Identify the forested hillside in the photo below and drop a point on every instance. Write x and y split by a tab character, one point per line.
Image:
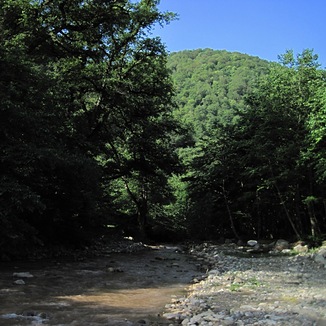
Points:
257	168
210	85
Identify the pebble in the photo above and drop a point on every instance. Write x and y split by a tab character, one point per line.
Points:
238	289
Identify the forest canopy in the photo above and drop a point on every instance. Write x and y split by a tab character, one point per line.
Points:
211	85
87	132
258	165
102	129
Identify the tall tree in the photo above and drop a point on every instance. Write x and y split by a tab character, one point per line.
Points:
83	83
281	111
260	168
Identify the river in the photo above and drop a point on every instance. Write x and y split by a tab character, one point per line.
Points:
116	289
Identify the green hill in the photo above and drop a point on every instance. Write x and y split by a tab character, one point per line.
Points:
210	85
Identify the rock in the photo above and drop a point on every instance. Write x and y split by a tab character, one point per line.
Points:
301	248
252	243
114	270
213	272
320	256
228	321
23	275
281	245
19	282
255	249
9	316
172	315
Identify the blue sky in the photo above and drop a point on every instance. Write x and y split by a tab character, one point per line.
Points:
263	28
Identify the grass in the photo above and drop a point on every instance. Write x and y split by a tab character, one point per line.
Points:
250	283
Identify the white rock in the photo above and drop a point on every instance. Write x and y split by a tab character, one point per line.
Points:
9	316
23	275
172	315
300	248
19	282
252	243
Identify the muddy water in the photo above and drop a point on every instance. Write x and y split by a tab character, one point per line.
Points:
118	289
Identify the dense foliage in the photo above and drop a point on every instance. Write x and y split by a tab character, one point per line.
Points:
92	116
263	175
210	85
85	113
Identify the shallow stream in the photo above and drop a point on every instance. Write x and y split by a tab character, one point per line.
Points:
117	289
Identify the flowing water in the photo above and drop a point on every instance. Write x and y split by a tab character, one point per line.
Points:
118	289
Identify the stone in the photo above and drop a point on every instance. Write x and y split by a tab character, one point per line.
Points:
252	243
228	321
301	248
19	282
185	321
172	315
213	272
320	256
196	319
114	270
23	275
281	245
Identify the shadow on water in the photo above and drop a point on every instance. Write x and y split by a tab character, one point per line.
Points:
118	289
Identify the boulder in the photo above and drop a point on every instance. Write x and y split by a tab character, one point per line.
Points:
281	245
300	248
320	256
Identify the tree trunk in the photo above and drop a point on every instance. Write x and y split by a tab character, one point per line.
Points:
298	209
229	213
259	216
142	217
142	209
315	231
297	234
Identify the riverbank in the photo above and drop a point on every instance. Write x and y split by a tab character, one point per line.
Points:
244	287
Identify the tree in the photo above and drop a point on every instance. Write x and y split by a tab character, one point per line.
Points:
260	168
277	122
83	85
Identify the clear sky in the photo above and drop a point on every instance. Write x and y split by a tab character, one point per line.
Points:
263	28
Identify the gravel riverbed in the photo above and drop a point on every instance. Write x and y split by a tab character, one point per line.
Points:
241	288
